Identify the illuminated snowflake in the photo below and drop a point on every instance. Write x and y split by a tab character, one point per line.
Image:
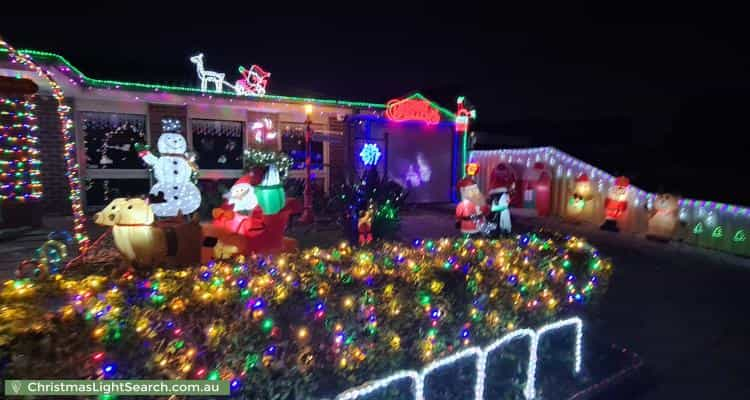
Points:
370	154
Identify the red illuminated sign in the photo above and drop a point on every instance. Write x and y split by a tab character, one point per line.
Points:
472	169
412	110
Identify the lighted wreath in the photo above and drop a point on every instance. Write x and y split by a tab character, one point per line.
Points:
299	325
258	158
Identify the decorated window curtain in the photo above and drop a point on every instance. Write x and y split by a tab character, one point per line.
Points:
218	144
99	192
293	144
110	140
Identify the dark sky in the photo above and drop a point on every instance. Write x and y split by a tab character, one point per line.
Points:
684	81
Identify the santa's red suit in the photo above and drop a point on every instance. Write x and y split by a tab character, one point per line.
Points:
468	216
471	210
614	208
617	203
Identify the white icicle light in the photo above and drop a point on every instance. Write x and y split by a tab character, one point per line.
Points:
711	219
418	378
683	214
556	157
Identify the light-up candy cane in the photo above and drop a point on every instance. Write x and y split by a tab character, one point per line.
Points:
418	378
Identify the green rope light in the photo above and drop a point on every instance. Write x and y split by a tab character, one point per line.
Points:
446	112
183	89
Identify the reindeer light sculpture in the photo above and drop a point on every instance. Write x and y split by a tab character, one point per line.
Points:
206	77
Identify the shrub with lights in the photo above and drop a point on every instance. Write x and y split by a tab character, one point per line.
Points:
297	325
382	197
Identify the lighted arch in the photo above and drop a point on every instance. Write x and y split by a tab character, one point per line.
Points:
69	153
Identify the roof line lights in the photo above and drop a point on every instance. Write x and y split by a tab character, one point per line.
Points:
192	90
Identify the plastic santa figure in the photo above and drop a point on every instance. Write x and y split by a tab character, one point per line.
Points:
616	203
502	180
240	213
471	209
580	197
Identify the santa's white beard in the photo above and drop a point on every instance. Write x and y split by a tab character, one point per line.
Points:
475	196
245	203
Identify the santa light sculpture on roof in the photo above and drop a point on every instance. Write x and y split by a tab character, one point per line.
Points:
253	83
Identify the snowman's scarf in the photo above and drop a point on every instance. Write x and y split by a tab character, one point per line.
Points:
181	155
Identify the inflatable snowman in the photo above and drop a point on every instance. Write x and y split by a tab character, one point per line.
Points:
174	191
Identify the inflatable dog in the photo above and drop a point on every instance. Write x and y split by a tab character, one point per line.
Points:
145	243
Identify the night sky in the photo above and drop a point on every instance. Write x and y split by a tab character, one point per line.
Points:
664	104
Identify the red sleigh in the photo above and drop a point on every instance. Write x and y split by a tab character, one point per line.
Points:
262	233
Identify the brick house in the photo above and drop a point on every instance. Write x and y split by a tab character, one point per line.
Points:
411	140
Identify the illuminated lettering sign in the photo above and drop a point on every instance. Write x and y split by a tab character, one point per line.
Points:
412	110
472	169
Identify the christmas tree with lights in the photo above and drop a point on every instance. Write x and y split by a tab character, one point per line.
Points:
383	199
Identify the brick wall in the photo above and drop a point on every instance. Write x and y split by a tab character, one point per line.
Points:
338	155
158	111
54	182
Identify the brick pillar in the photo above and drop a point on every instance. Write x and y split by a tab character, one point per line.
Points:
56	191
158	111
338	154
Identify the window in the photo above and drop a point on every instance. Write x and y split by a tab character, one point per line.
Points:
293	144
110	140
218	144
99	192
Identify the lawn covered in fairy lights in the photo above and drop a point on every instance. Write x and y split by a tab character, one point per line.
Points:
313	323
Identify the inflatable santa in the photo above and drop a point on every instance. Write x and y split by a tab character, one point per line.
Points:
616	204
502	179
240	212
471	209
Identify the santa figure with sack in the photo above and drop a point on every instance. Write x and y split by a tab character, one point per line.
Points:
471	210
240	212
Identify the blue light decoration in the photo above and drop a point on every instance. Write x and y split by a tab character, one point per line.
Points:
370	154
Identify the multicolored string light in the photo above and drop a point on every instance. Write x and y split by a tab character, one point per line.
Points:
69	152
19	162
342	315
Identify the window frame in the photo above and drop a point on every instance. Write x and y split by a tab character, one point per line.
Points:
218	173
324	173
87	173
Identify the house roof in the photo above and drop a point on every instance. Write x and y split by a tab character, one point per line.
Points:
69	68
